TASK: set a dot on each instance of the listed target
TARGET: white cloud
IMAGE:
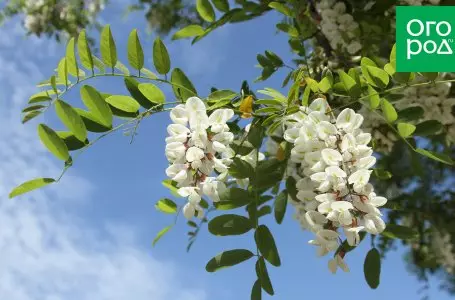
(48, 252)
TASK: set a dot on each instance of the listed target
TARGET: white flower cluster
(38, 13)
(421, 2)
(436, 103)
(334, 192)
(442, 247)
(197, 145)
(339, 27)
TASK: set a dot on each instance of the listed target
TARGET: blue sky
(89, 237)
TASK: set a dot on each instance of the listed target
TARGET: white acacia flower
(218, 119)
(326, 129)
(194, 154)
(189, 210)
(331, 157)
(337, 262)
(340, 212)
(373, 224)
(213, 188)
(193, 194)
(177, 172)
(179, 115)
(315, 220)
(175, 151)
(327, 240)
(352, 235)
(359, 179)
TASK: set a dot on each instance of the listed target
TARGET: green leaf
(31, 115)
(43, 96)
(281, 8)
(132, 86)
(172, 186)
(281, 202)
(274, 58)
(221, 95)
(71, 141)
(123, 103)
(53, 142)
(263, 276)
(256, 135)
(349, 84)
(256, 291)
(188, 31)
(436, 156)
(313, 84)
(30, 186)
(229, 224)
(84, 51)
(96, 104)
(378, 77)
(166, 205)
(306, 96)
(291, 187)
(161, 58)
(221, 5)
(108, 48)
(98, 63)
(181, 85)
(406, 129)
(205, 10)
(62, 71)
(240, 169)
(122, 68)
(289, 29)
(264, 210)
(160, 234)
(135, 52)
(266, 245)
(372, 268)
(263, 61)
(427, 128)
(71, 119)
(152, 93)
(411, 113)
(228, 259)
(71, 58)
(325, 85)
(389, 111)
(149, 74)
(33, 108)
(374, 99)
(233, 198)
(91, 122)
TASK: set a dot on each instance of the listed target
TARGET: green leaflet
(229, 224)
(281, 202)
(160, 234)
(123, 103)
(71, 119)
(181, 85)
(152, 93)
(135, 52)
(266, 245)
(205, 10)
(166, 205)
(406, 129)
(372, 268)
(96, 104)
(30, 186)
(228, 259)
(188, 31)
(161, 58)
(71, 58)
(108, 48)
(85, 54)
(53, 142)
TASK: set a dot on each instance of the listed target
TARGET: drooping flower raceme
(338, 26)
(334, 194)
(195, 148)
